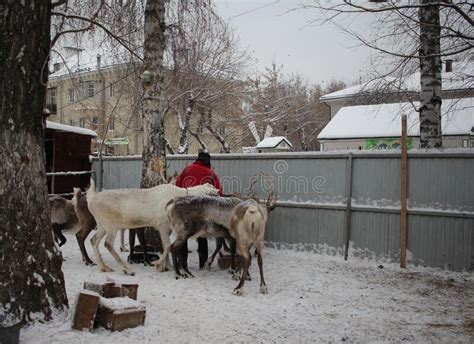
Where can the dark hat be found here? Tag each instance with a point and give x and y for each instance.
(204, 157)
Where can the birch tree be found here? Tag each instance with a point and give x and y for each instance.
(154, 145)
(31, 280)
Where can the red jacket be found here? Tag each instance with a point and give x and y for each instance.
(197, 174)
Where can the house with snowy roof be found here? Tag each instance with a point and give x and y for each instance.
(274, 144)
(367, 116)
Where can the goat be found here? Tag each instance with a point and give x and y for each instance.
(135, 208)
(247, 227)
(230, 217)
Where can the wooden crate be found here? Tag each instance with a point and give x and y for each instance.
(120, 313)
(111, 289)
(87, 303)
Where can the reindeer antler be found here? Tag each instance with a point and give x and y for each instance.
(253, 180)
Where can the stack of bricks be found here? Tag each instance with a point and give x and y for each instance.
(110, 305)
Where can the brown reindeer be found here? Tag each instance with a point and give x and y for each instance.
(221, 217)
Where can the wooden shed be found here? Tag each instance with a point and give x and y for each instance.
(67, 157)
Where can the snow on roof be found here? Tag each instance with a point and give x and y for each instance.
(70, 128)
(384, 120)
(272, 142)
(72, 58)
(459, 79)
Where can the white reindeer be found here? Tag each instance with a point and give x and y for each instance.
(135, 208)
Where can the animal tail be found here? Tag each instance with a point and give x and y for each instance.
(77, 194)
(252, 209)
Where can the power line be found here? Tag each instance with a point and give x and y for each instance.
(253, 10)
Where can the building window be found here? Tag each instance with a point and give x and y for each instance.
(200, 128)
(111, 124)
(95, 120)
(81, 122)
(70, 93)
(52, 96)
(71, 122)
(111, 90)
(56, 67)
(221, 129)
(90, 90)
(51, 103)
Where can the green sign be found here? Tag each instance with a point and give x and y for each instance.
(387, 143)
(117, 141)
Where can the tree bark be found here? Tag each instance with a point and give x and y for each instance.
(184, 138)
(154, 141)
(154, 144)
(31, 280)
(430, 76)
(218, 137)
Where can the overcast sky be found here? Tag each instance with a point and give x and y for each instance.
(318, 53)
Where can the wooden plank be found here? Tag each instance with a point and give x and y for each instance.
(403, 196)
(86, 308)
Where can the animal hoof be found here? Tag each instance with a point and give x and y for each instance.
(237, 292)
(236, 276)
(130, 273)
(106, 269)
(263, 289)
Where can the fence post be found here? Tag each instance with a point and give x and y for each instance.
(403, 195)
(348, 203)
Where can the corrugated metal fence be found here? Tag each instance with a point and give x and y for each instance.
(313, 191)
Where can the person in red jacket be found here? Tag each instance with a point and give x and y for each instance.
(198, 173)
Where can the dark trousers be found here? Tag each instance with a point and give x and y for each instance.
(203, 252)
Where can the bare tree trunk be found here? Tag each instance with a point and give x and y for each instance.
(168, 146)
(198, 139)
(154, 142)
(302, 139)
(154, 154)
(430, 76)
(219, 137)
(184, 139)
(32, 282)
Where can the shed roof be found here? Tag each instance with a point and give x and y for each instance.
(272, 142)
(70, 128)
(383, 120)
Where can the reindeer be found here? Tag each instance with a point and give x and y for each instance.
(135, 208)
(203, 216)
(63, 216)
(247, 227)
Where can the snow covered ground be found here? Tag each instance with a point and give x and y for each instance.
(312, 298)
